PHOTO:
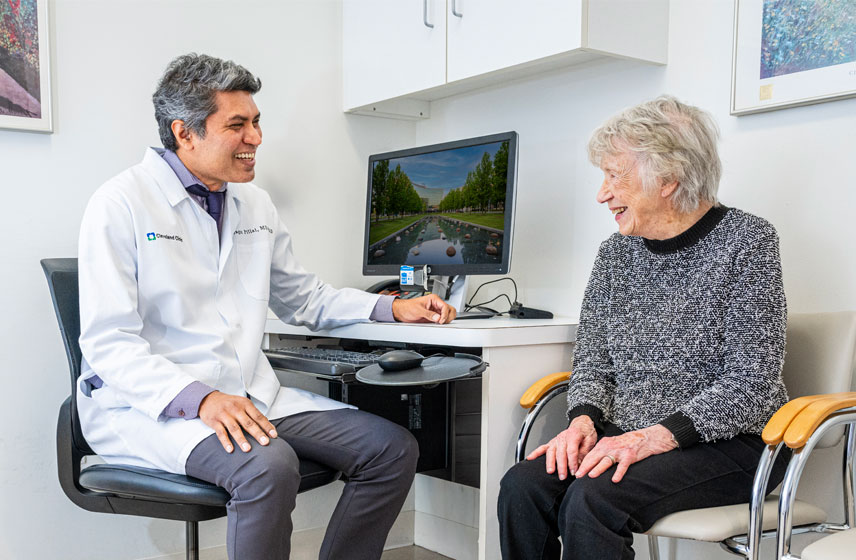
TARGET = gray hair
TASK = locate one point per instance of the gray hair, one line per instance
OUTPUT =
(671, 141)
(187, 92)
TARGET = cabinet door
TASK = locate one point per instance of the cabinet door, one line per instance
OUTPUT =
(389, 51)
(494, 34)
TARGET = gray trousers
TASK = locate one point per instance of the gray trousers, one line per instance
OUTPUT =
(377, 457)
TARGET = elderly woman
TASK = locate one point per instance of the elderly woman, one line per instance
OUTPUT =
(679, 351)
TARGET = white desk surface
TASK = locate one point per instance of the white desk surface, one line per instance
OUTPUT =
(497, 331)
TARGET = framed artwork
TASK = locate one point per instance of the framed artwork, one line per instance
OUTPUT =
(792, 52)
(25, 100)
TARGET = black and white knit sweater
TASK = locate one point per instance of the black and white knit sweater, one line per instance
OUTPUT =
(687, 332)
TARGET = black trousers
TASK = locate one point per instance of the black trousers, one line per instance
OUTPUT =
(596, 518)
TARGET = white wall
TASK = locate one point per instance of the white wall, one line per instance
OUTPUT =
(107, 57)
(794, 167)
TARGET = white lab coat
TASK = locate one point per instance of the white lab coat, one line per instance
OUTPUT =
(163, 304)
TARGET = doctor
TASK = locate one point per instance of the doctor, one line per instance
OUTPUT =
(180, 258)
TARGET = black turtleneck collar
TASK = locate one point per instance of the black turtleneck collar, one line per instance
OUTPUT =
(691, 236)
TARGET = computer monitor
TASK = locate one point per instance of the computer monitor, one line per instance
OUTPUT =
(447, 206)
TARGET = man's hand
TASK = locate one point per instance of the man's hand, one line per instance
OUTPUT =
(425, 309)
(626, 449)
(229, 414)
(566, 451)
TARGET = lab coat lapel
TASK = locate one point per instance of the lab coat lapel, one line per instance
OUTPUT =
(164, 177)
(230, 221)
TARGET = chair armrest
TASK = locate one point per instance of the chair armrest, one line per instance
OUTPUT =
(807, 421)
(774, 431)
(537, 390)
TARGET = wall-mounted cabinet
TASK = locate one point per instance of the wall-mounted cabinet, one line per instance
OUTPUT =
(399, 55)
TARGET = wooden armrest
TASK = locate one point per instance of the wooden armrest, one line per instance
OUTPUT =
(774, 431)
(540, 387)
(807, 421)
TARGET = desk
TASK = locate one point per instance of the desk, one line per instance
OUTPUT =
(518, 351)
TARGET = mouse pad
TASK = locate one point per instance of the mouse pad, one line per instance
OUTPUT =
(434, 369)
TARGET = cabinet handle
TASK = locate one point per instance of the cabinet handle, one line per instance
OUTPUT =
(425, 14)
(455, 12)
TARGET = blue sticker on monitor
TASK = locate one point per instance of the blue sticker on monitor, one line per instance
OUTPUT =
(406, 276)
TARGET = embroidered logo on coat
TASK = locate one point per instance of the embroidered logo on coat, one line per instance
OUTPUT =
(152, 236)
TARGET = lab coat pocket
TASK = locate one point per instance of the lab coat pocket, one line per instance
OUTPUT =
(206, 372)
(254, 268)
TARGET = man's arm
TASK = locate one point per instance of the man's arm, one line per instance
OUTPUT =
(110, 324)
(300, 297)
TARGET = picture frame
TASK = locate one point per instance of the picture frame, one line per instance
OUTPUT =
(25, 69)
(788, 53)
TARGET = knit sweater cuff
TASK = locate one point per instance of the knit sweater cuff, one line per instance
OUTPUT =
(589, 410)
(682, 428)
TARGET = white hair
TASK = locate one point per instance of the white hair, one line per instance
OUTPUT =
(671, 141)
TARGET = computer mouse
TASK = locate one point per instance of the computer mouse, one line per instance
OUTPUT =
(397, 360)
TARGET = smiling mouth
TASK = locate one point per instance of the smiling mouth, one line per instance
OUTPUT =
(619, 210)
(246, 156)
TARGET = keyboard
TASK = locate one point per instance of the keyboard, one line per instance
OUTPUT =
(323, 361)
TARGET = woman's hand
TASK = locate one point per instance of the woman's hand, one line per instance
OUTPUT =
(567, 450)
(624, 450)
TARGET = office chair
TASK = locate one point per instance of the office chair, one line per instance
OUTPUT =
(820, 359)
(124, 489)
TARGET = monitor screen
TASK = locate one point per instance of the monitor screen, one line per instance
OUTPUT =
(449, 206)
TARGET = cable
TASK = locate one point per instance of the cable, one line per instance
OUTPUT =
(481, 305)
(469, 303)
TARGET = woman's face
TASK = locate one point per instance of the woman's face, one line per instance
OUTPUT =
(636, 211)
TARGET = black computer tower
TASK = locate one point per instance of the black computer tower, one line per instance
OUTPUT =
(445, 419)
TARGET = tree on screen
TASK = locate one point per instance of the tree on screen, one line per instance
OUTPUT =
(379, 181)
(500, 173)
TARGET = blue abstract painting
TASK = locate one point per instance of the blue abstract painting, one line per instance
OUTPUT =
(800, 35)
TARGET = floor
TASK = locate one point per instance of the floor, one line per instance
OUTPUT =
(412, 553)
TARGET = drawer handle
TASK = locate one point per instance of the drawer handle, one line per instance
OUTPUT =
(425, 14)
(455, 11)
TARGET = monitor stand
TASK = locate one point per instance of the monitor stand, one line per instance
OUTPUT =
(453, 289)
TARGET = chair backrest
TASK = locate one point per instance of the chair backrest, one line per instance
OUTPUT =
(62, 280)
(820, 357)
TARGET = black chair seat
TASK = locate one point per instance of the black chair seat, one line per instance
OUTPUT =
(160, 486)
(151, 484)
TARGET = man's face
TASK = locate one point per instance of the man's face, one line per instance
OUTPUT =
(228, 151)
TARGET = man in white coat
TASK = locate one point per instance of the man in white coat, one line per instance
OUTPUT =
(180, 258)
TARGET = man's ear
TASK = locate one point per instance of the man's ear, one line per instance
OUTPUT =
(182, 134)
(666, 189)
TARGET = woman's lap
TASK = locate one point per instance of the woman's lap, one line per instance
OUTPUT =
(704, 475)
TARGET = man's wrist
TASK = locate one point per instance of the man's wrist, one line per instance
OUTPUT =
(383, 310)
(187, 403)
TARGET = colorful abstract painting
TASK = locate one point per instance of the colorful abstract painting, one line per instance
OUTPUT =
(20, 84)
(800, 35)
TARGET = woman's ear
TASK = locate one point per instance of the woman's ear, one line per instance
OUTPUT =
(667, 189)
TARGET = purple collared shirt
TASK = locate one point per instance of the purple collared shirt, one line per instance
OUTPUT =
(186, 403)
(188, 179)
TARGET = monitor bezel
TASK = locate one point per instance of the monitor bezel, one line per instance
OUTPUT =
(510, 193)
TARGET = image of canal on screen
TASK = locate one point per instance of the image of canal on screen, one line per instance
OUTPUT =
(445, 207)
